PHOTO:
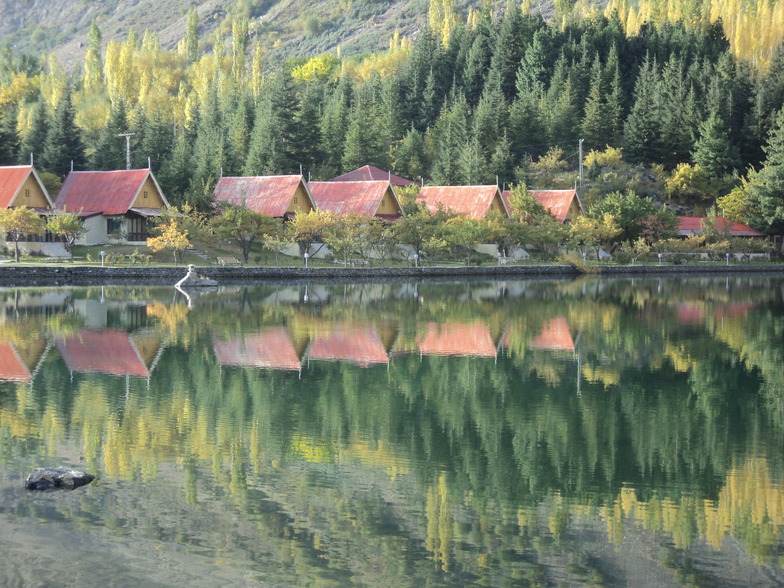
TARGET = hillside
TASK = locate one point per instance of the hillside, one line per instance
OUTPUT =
(284, 28)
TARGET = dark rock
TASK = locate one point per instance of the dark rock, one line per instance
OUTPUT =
(57, 478)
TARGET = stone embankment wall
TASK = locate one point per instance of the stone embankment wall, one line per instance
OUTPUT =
(62, 275)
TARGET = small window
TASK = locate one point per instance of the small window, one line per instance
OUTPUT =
(146, 195)
(296, 199)
(27, 192)
(383, 204)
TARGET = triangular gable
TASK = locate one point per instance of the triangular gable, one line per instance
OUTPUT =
(270, 195)
(12, 181)
(362, 198)
(473, 201)
(110, 193)
(369, 172)
(12, 368)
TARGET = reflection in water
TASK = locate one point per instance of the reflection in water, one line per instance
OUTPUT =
(606, 432)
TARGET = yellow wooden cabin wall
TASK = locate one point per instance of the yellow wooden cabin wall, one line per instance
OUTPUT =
(389, 205)
(300, 201)
(154, 198)
(31, 195)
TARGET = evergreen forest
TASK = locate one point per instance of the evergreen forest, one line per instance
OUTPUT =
(670, 103)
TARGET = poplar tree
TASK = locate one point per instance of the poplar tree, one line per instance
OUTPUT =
(93, 63)
(192, 36)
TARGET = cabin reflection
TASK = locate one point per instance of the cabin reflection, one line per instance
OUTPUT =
(111, 351)
(20, 361)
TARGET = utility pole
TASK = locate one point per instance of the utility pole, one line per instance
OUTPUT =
(581, 165)
(128, 148)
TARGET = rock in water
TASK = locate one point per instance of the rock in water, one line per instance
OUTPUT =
(53, 478)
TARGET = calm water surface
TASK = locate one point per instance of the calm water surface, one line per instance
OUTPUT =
(610, 433)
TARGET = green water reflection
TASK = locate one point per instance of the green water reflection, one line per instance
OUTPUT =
(580, 432)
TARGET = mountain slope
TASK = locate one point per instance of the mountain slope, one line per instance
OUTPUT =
(284, 28)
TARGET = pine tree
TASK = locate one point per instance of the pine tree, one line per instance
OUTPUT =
(477, 62)
(270, 148)
(409, 157)
(451, 132)
(508, 51)
(594, 124)
(641, 131)
(334, 124)
(9, 139)
(63, 141)
(156, 141)
(501, 165)
(110, 152)
(766, 187)
(714, 151)
(490, 118)
(473, 164)
(34, 140)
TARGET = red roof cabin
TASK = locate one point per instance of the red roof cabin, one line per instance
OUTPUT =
(115, 205)
(692, 225)
(564, 205)
(472, 201)
(368, 172)
(276, 196)
(372, 198)
(21, 186)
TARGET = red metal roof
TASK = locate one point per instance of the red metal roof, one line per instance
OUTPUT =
(11, 365)
(463, 339)
(362, 198)
(368, 172)
(473, 201)
(271, 348)
(11, 179)
(359, 345)
(555, 336)
(107, 192)
(556, 202)
(110, 351)
(692, 225)
(270, 195)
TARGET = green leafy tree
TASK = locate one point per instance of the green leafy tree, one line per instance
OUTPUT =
(346, 236)
(170, 235)
(68, 226)
(463, 234)
(18, 223)
(308, 229)
(635, 216)
(243, 226)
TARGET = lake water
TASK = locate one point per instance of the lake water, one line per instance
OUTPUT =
(596, 432)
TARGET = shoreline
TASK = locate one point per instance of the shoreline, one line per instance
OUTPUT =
(93, 275)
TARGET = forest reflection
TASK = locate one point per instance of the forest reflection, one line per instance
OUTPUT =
(509, 412)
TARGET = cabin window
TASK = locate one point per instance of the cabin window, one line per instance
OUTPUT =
(114, 225)
(383, 204)
(27, 192)
(146, 195)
